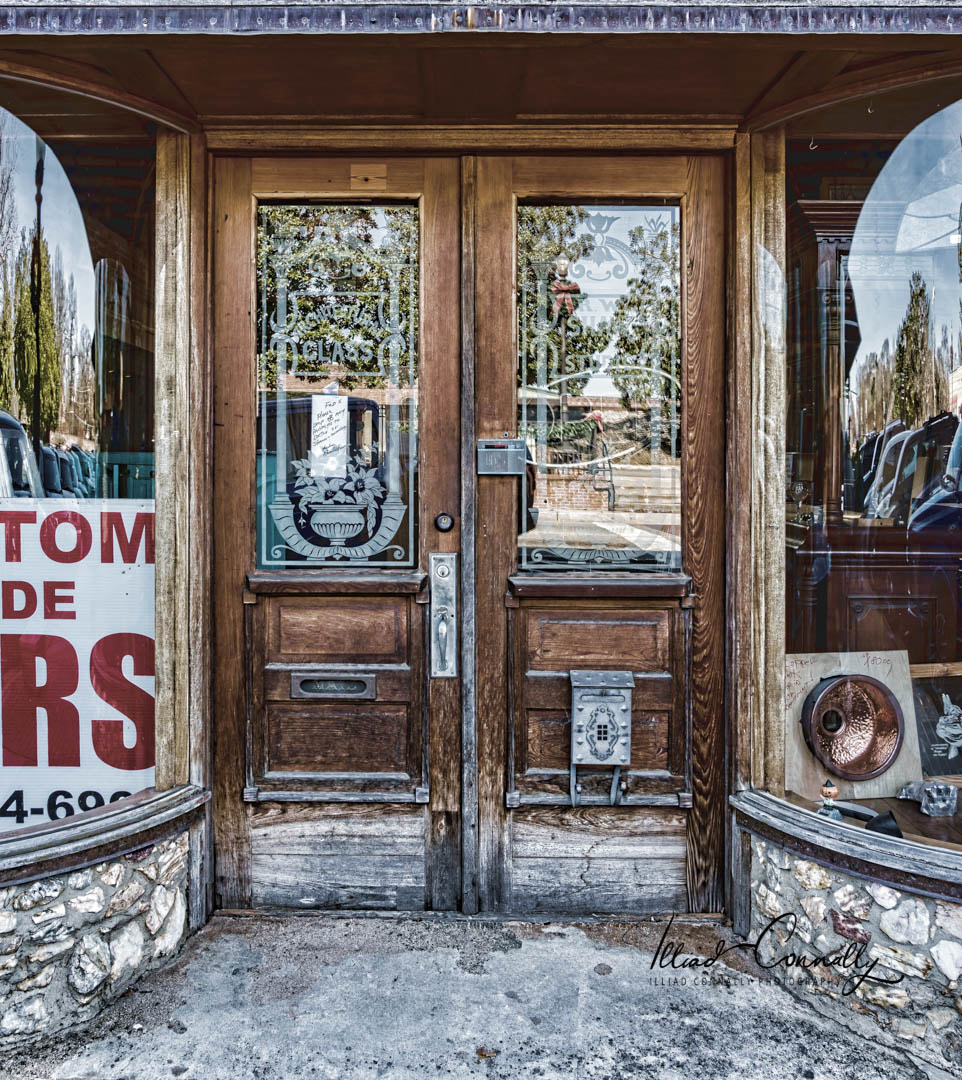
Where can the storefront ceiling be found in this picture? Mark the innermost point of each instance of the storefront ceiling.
(196, 80)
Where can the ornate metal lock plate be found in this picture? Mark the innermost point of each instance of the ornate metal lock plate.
(601, 717)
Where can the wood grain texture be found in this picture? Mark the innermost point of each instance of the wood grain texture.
(338, 857)
(561, 640)
(739, 486)
(331, 178)
(703, 479)
(581, 178)
(232, 555)
(440, 492)
(172, 423)
(598, 859)
(335, 583)
(469, 637)
(496, 527)
(200, 901)
(332, 630)
(586, 586)
(365, 737)
(768, 426)
(472, 138)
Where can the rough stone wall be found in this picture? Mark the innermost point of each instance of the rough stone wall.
(912, 936)
(69, 944)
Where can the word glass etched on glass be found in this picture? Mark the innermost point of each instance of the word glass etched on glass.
(337, 385)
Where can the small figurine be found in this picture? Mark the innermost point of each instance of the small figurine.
(937, 799)
(949, 726)
(829, 793)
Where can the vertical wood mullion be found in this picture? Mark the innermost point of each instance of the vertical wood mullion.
(703, 534)
(439, 452)
(233, 448)
(768, 428)
(496, 527)
(469, 730)
(172, 284)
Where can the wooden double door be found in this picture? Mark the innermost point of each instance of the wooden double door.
(468, 472)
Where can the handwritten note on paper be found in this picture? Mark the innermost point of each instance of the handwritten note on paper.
(329, 435)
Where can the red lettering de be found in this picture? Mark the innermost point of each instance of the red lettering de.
(55, 595)
(12, 593)
(82, 536)
(110, 684)
(22, 697)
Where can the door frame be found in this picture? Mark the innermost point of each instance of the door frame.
(476, 893)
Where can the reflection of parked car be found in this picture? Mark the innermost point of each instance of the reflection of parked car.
(19, 475)
(920, 467)
(885, 472)
(86, 470)
(940, 508)
(69, 481)
(50, 470)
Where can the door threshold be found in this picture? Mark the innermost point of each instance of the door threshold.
(686, 918)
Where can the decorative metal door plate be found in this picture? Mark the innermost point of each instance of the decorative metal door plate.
(601, 717)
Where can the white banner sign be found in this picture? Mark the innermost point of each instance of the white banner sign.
(76, 655)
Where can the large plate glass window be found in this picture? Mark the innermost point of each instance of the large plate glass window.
(873, 463)
(600, 397)
(77, 468)
(337, 385)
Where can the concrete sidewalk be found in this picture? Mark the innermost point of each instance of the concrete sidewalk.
(419, 997)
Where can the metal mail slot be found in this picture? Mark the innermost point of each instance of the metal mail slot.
(501, 457)
(601, 717)
(333, 685)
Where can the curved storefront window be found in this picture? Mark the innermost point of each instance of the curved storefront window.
(873, 464)
(76, 472)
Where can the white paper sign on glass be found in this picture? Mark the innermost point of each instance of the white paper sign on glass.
(76, 655)
(329, 435)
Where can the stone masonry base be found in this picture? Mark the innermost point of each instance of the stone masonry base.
(915, 941)
(71, 943)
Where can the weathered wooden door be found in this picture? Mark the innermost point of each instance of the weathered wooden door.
(336, 479)
(599, 335)
(398, 608)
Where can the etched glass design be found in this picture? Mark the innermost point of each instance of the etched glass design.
(337, 385)
(600, 397)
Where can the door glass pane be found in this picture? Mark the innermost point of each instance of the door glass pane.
(600, 403)
(337, 385)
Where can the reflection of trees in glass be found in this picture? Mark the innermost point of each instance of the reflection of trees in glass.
(647, 319)
(873, 389)
(24, 342)
(545, 334)
(8, 238)
(342, 264)
(64, 345)
(917, 388)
